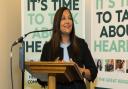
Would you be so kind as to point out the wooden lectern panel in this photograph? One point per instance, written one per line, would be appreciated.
(64, 72)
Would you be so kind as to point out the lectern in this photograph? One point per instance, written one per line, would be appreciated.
(56, 71)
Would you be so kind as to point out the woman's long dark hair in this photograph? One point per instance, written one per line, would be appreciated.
(56, 36)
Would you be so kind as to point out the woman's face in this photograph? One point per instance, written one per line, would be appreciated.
(66, 23)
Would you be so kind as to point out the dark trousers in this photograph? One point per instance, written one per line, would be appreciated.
(71, 85)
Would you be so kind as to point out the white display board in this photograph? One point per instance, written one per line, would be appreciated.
(38, 15)
(109, 42)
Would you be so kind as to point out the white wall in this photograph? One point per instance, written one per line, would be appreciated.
(10, 27)
(88, 31)
(88, 26)
(88, 21)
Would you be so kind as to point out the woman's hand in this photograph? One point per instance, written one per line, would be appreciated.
(85, 72)
(81, 70)
(58, 60)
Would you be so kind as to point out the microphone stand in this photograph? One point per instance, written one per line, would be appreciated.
(11, 54)
(22, 61)
(22, 55)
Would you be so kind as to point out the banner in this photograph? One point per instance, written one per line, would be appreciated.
(109, 42)
(38, 15)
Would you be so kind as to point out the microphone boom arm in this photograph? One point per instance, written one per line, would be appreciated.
(20, 39)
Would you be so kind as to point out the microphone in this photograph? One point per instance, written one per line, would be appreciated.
(20, 39)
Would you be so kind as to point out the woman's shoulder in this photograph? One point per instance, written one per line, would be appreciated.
(47, 44)
(81, 40)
